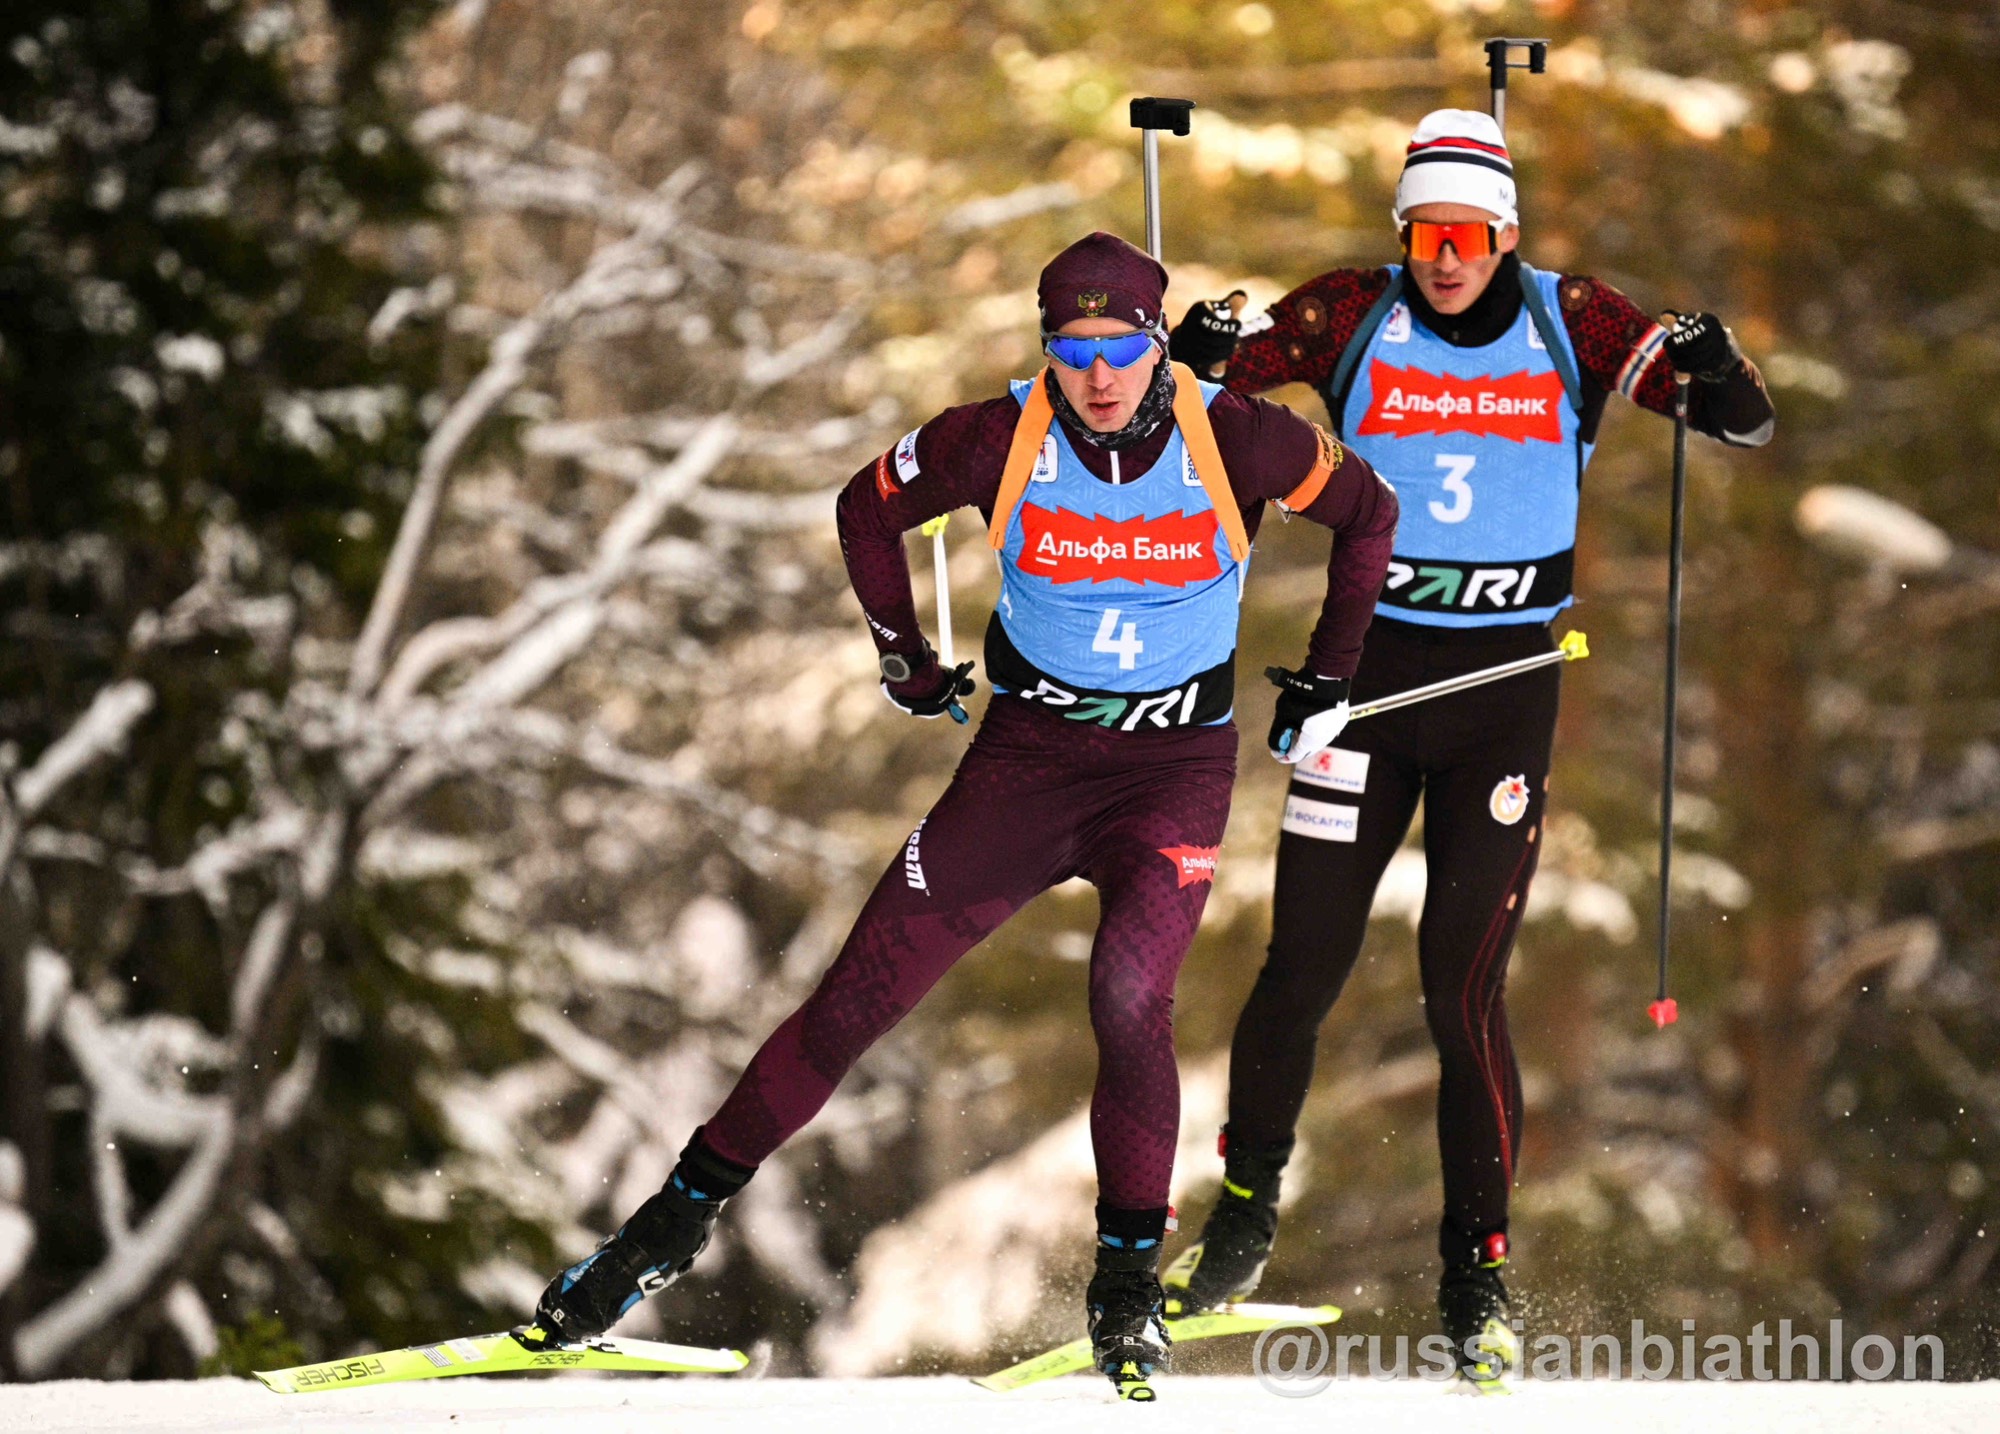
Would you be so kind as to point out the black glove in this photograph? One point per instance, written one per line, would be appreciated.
(1698, 344)
(928, 689)
(1206, 336)
(1302, 697)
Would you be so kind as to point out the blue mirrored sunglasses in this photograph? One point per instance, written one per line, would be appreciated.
(1119, 350)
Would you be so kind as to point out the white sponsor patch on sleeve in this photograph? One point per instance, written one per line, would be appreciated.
(1255, 324)
(906, 456)
(1323, 821)
(1331, 767)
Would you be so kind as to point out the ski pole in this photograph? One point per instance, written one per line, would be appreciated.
(1499, 62)
(935, 528)
(1573, 646)
(1150, 116)
(1664, 1010)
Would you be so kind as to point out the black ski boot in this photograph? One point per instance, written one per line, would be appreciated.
(1127, 1311)
(653, 1248)
(1474, 1308)
(1228, 1260)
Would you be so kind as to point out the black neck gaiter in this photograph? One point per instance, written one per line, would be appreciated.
(1154, 409)
(1485, 320)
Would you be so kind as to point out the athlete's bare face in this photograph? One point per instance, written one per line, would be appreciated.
(1451, 284)
(1104, 396)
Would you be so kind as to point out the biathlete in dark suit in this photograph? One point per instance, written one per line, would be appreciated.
(1474, 384)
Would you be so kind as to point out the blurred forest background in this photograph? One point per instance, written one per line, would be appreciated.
(438, 745)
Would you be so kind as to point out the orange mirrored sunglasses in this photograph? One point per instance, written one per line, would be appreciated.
(1424, 240)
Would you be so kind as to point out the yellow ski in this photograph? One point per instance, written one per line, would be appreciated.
(499, 1354)
(1074, 1357)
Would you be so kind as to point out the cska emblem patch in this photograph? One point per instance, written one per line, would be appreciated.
(1520, 407)
(1509, 802)
(1192, 863)
(1173, 550)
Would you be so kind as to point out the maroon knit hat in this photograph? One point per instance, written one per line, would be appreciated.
(1102, 277)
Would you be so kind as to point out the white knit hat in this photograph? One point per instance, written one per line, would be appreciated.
(1458, 157)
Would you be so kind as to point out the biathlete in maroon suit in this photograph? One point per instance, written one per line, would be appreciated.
(1475, 385)
(1121, 496)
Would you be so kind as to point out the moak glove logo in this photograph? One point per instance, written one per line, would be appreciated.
(1192, 863)
(1519, 407)
(1064, 547)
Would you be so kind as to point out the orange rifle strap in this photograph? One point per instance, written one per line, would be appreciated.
(1036, 415)
(1191, 415)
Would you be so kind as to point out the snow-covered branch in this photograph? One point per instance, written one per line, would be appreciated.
(1940, 1054)
(554, 620)
(484, 741)
(751, 830)
(506, 370)
(324, 757)
(628, 270)
(589, 440)
(211, 608)
(763, 369)
(132, 1270)
(98, 735)
(263, 954)
(17, 1231)
(123, 1102)
(247, 846)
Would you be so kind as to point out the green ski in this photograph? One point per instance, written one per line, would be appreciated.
(1074, 1357)
(499, 1354)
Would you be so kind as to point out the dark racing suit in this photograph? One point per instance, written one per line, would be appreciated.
(1479, 760)
(1040, 797)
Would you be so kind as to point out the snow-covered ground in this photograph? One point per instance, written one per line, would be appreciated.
(574, 1405)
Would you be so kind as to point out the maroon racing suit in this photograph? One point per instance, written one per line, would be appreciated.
(1038, 799)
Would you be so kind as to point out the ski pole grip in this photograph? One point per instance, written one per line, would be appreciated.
(1174, 116)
